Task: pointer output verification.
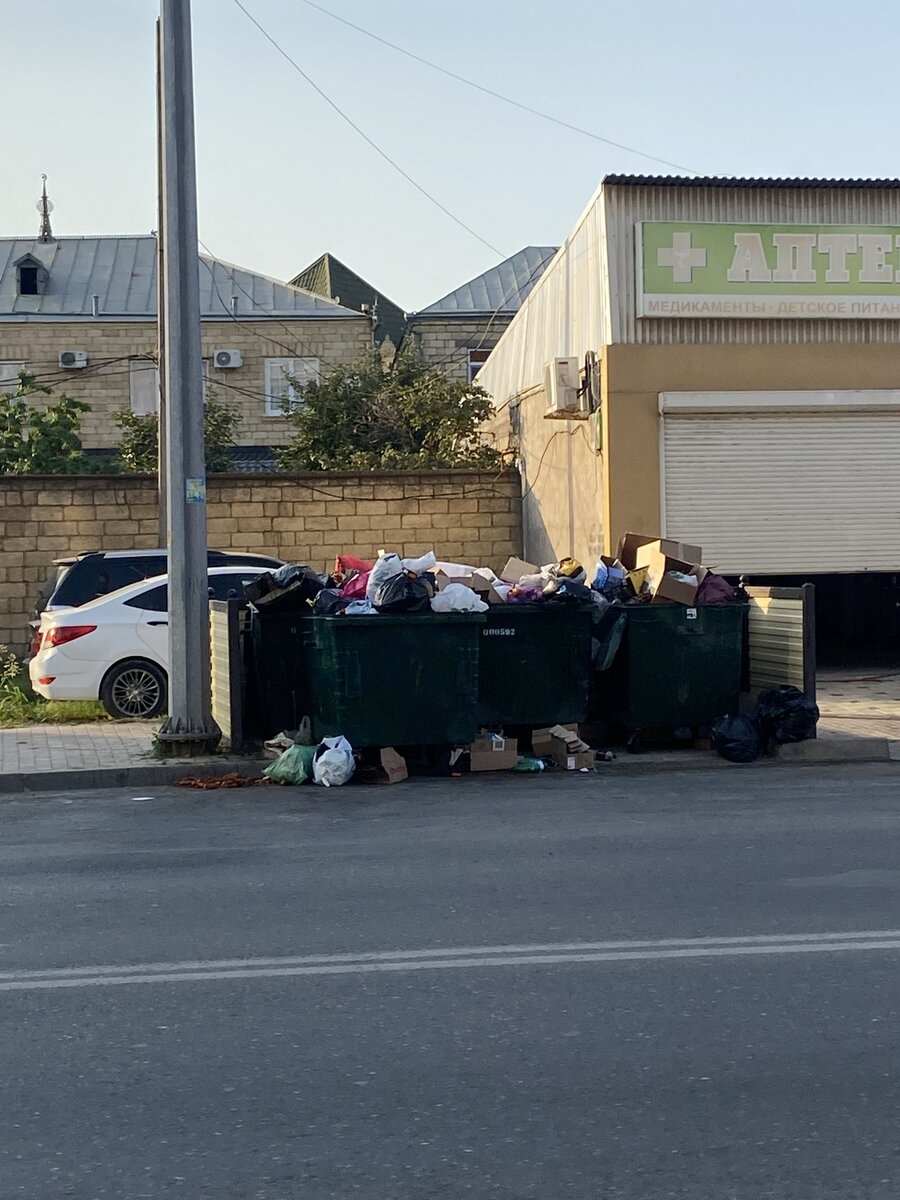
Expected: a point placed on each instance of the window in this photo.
(31, 276)
(143, 386)
(9, 374)
(477, 359)
(285, 380)
(154, 600)
(229, 587)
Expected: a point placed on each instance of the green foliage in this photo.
(377, 416)
(20, 706)
(138, 449)
(42, 441)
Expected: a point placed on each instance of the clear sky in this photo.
(774, 88)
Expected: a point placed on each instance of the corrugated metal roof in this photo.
(726, 181)
(328, 276)
(502, 289)
(121, 271)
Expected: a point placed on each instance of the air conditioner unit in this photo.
(561, 384)
(226, 360)
(73, 360)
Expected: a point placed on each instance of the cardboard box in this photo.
(663, 587)
(442, 580)
(573, 760)
(493, 753)
(542, 739)
(630, 544)
(517, 567)
(485, 589)
(393, 765)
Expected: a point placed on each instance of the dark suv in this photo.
(75, 581)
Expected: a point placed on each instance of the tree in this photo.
(139, 447)
(43, 441)
(377, 416)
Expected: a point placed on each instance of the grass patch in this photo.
(20, 706)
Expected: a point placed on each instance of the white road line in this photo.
(699, 948)
(445, 952)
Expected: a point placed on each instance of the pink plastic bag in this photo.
(356, 588)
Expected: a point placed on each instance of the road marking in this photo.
(456, 958)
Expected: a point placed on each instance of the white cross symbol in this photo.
(681, 258)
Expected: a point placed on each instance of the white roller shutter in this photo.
(784, 482)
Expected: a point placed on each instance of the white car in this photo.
(116, 649)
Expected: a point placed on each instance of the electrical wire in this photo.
(374, 145)
(535, 112)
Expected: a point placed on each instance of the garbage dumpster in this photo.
(276, 673)
(404, 680)
(676, 668)
(534, 664)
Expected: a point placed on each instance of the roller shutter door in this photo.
(784, 482)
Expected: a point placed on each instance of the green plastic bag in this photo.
(294, 765)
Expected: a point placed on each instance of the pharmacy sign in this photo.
(707, 269)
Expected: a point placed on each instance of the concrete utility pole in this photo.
(189, 729)
(161, 471)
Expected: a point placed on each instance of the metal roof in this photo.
(726, 181)
(121, 272)
(502, 289)
(328, 276)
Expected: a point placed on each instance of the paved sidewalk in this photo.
(860, 722)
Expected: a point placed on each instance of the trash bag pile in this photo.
(783, 714)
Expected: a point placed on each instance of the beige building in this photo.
(719, 360)
(79, 313)
(458, 332)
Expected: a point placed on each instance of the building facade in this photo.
(458, 332)
(79, 313)
(747, 384)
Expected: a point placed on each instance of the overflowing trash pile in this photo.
(346, 688)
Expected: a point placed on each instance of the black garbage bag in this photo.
(569, 591)
(737, 738)
(287, 589)
(403, 594)
(786, 714)
(329, 602)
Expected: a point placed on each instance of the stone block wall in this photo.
(446, 342)
(110, 345)
(465, 516)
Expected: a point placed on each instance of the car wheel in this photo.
(134, 689)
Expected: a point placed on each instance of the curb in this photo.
(833, 751)
(162, 774)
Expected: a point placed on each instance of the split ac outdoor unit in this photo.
(72, 360)
(561, 384)
(228, 359)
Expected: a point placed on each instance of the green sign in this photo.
(705, 269)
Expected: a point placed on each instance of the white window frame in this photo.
(143, 387)
(281, 395)
(9, 374)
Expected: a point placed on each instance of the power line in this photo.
(378, 150)
(597, 137)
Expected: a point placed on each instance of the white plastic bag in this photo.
(455, 570)
(386, 567)
(456, 597)
(417, 566)
(334, 763)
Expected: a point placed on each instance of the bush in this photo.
(41, 441)
(139, 448)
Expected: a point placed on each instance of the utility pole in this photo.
(189, 729)
(162, 500)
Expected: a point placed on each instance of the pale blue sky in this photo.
(773, 88)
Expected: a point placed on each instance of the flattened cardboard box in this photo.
(542, 739)
(517, 567)
(493, 754)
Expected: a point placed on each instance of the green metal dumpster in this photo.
(534, 664)
(677, 667)
(404, 680)
(276, 674)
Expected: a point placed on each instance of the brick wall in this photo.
(446, 342)
(104, 383)
(468, 516)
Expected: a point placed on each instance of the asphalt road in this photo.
(676, 985)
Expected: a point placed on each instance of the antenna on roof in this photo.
(45, 208)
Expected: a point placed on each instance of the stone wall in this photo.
(465, 516)
(110, 345)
